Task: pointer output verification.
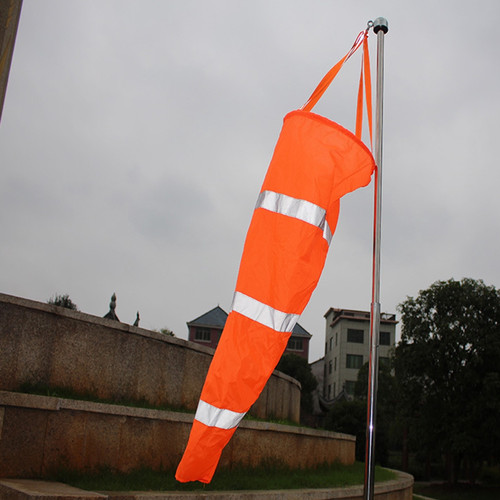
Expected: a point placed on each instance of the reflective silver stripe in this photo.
(263, 314)
(294, 207)
(327, 234)
(217, 417)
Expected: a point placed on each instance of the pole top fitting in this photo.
(380, 24)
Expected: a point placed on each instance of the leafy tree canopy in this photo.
(62, 301)
(298, 368)
(349, 417)
(166, 331)
(447, 365)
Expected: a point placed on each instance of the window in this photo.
(356, 336)
(202, 334)
(329, 367)
(354, 361)
(335, 365)
(349, 387)
(336, 338)
(385, 338)
(329, 391)
(331, 344)
(295, 345)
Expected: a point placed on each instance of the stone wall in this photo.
(52, 346)
(41, 434)
(44, 344)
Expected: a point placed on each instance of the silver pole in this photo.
(380, 28)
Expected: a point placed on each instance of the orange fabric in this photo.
(359, 107)
(245, 358)
(323, 85)
(368, 88)
(269, 235)
(316, 161)
(365, 82)
(205, 442)
(364, 79)
(328, 78)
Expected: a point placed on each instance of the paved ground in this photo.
(30, 489)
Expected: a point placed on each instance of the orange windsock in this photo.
(315, 163)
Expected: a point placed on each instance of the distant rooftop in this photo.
(213, 318)
(216, 318)
(298, 331)
(355, 314)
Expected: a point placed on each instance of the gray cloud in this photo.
(135, 138)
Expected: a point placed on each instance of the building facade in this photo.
(347, 348)
(207, 329)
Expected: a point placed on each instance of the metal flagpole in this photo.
(380, 28)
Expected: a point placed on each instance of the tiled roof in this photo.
(298, 331)
(217, 318)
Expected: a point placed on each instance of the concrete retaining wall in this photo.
(25, 489)
(50, 345)
(41, 434)
(44, 344)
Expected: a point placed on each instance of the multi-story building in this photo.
(207, 329)
(347, 347)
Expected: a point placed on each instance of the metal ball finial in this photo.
(380, 24)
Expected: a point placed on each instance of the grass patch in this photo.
(267, 477)
(69, 393)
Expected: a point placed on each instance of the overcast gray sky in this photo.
(135, 137)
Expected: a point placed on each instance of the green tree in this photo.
(447, 364)
(385, 386)
(298, 368)
(62, 301)
(165, 331)
(386, 401)
(349, 417)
